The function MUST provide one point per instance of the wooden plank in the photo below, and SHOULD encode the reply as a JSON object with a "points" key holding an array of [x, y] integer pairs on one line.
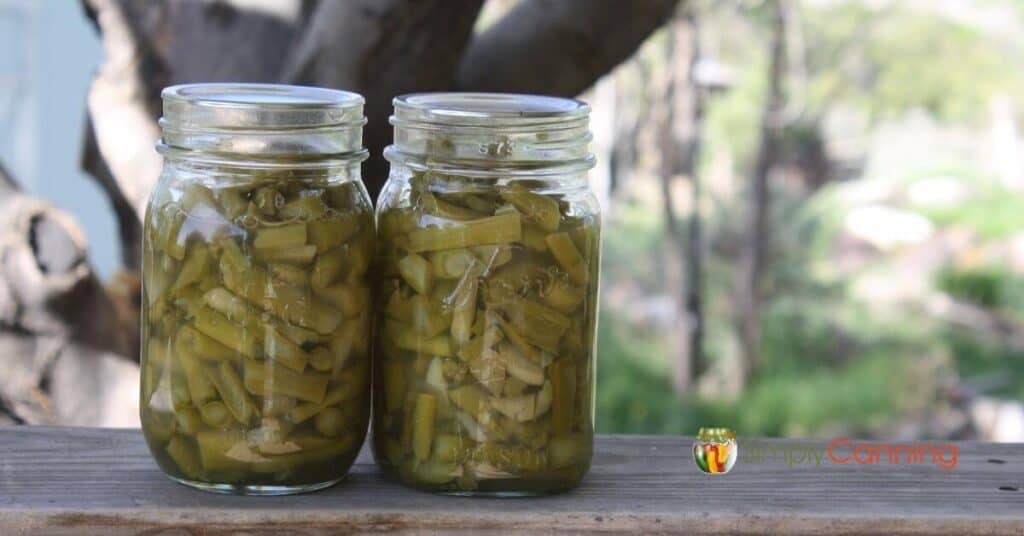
{"points": [[77, 480]]}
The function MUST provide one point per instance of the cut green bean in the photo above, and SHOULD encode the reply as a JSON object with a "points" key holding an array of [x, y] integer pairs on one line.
{"points": [[493, 230], [417, 272], [307, 386], [232, 392], [423, 431], [284, 237]]}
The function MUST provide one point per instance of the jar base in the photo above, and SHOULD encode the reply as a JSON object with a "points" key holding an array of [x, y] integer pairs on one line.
{"points": [[255, 490]]}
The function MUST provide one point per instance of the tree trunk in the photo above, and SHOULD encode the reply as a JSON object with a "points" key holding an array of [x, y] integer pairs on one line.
{"points": [[56, 317], [681, 125], [753, 255]]}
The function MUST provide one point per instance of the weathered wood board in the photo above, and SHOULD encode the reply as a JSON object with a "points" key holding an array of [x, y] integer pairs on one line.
{"points": [[81, 481]]}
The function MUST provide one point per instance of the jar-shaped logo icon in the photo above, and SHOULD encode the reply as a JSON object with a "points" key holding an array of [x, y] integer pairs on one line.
{"points": [[715, 450]]}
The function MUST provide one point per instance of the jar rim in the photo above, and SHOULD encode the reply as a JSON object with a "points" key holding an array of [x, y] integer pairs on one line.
{"points": [[277, 105], [487, 109], [489, 132], [262, 119]]}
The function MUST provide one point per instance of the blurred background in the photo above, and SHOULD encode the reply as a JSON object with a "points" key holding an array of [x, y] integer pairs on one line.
{"points": [[814, 208]]}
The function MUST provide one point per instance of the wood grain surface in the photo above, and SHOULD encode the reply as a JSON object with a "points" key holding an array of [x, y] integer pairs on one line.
{"points": [[90, 480]]}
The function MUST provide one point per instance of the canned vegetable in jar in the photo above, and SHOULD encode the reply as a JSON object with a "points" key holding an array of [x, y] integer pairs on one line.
{"points": [[258, 240], [487, 295]]}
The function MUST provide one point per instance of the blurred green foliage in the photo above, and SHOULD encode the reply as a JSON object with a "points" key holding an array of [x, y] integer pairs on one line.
{"points": [[830, 364]]}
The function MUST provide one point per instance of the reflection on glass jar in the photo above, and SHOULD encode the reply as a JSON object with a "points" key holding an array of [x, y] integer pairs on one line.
{"points": [[258, 240], [487, 295]]}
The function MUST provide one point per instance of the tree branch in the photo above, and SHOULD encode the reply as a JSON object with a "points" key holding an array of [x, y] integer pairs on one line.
{"points": [[383, 48], [153, 44], [55, 314], [558, 47], [121, 129]]}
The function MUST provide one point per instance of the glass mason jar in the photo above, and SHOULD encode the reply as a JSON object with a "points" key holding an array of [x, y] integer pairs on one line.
{"points": [[488, 258], [256, 301]]}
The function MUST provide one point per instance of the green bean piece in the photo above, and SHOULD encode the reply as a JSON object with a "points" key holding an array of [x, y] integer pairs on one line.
{"points": [[330, 422], [224, 302], [539, 209], [452, 263], [563, 296], [418, 273], [407, 338], [303, 412], [280, 349], [303, 208], [395, 384], [492, 230], [234, 202], [297, 254], [285, 237], [563, 404], [267, 201], [307, 386], [189, 421], [349, 298], [568, 257], [215, 414], [192, 269], [427, 318], [439, 207], [289, 274], [331, 232], [232, 392], [184, 457], [423, 429], [219, 328], [205, 347], [565, 451], [399, 308], [535, 239], [200, 388], [464, 312], [451, 448], [321, 359]]}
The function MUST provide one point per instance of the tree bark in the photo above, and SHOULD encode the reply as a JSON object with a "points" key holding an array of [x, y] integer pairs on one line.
{"points": [[54, 313], [353, 45], [558, 47], [147, 46], [753, 255], [681, 137]]}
